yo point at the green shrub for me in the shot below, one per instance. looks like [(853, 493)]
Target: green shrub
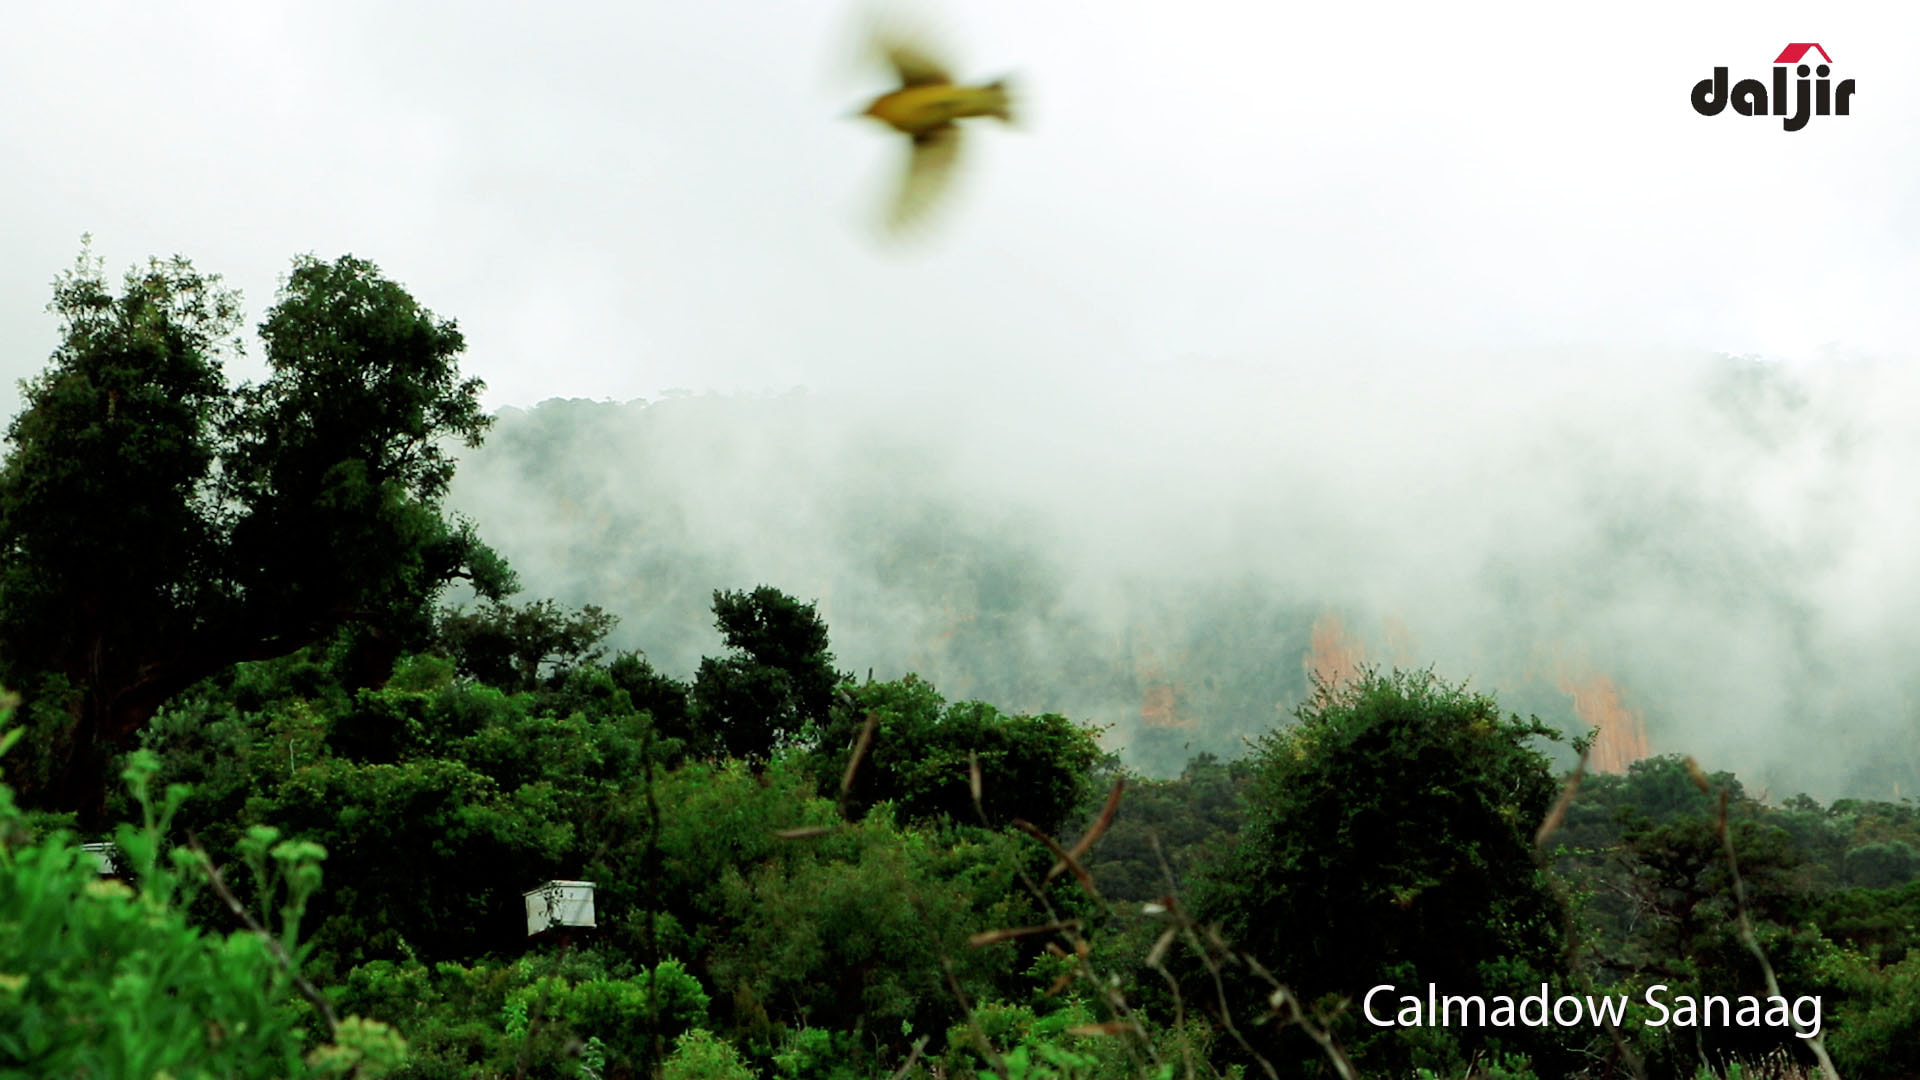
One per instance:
[(622, 1013), (699, 1054), (98, 978)]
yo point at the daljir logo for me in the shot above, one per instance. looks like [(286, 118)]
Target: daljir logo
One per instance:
[(1749, 96)]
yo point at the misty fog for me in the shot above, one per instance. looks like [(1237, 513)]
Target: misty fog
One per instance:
[(1715, 550)]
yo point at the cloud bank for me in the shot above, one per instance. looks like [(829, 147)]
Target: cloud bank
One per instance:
[(1717, 548)]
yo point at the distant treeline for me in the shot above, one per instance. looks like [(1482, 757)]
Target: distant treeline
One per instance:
[(1650, 599)]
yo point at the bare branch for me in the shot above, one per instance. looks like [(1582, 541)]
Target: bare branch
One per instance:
[(1085, 843), (1818, 1043), (995, 937), (1079, 872), (859, 753)]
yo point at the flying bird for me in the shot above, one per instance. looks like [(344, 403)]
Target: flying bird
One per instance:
[(926, 109)]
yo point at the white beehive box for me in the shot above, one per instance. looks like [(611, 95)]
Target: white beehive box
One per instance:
[(559, 903), (104, 855)]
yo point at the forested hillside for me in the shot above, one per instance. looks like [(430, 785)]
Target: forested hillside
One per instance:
[(1697, 588), (335, 748)]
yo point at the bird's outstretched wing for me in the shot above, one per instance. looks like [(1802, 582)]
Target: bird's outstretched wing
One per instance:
[(930, 169), (901, 38), (914, 65)]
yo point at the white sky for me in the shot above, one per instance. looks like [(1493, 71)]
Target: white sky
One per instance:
[(1379, 302), (616, 199)]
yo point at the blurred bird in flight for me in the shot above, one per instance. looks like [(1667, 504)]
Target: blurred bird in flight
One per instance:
[(926, 108)]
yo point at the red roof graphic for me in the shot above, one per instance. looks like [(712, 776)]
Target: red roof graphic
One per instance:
[(1792, 53)]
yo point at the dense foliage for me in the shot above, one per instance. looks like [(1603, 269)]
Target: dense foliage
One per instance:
[(100, 979), (796, 873), (158, 525), (1396, 820)]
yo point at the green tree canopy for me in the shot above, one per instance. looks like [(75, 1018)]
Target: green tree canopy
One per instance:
[(158, 525), (1037, 768), (1388, 838), (777, 680), (508, 645)]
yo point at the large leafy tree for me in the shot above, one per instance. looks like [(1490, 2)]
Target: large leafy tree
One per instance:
[(1388, 838), (158, 524), (922, 751), (776, 682), (509, 645)]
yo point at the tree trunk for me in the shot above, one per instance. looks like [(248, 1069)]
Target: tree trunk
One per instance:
[(82, 780)]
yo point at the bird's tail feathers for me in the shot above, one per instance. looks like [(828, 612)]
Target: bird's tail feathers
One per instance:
[(1003, 87)]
